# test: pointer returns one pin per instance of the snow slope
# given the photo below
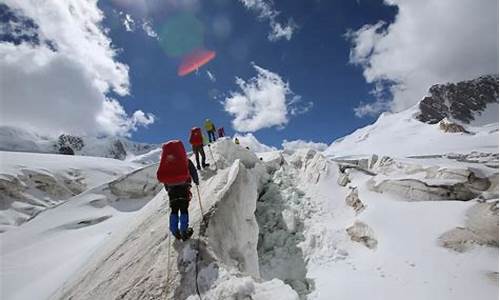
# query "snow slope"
(39, 256)
(294, 225)
(32, 182)
(400, 134)
(150, 157)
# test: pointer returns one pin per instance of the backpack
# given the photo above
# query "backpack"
(174, 167)
(196, 138)
(221, 131)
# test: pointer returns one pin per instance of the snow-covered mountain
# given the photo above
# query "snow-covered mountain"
(295, 225)
(17, 139)
(446, 121)
(22, 140)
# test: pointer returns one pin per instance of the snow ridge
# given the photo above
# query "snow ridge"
(134, 266)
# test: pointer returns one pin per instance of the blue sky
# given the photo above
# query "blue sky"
(313, 70)
(315, 63)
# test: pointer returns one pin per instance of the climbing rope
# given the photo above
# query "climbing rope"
(168, 263)
(198, 243)
(197, 252)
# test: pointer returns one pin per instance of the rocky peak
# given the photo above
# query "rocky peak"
(458, 101)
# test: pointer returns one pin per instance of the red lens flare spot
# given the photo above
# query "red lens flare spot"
(194, 61)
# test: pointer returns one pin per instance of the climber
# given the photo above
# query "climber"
(221, 132)
(236, 141)
(196, 141)
(210, 128)
(176, 172)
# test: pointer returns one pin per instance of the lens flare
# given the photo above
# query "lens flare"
(181, 34)
(194, 61)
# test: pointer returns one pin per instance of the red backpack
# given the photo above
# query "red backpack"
(174, 168)
(221, 131)
(196, 138)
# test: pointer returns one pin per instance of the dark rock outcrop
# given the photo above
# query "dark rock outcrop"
(66, 150)
(458, 101)
(117, 150)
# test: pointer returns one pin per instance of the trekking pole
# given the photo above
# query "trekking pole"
(211, 154)
(199, 201)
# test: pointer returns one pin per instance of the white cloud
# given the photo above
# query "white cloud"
(148, 29)
(371, 109)
(266, 11)
(116, 120)
(264, 101)
(429, 42)
(129, 23)
(297, 107)
(279, 31)
(301, 144)
(64, 88)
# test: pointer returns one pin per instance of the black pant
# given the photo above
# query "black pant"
(179, 197)
(211, 135)
(179, 204)
(198, 150)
